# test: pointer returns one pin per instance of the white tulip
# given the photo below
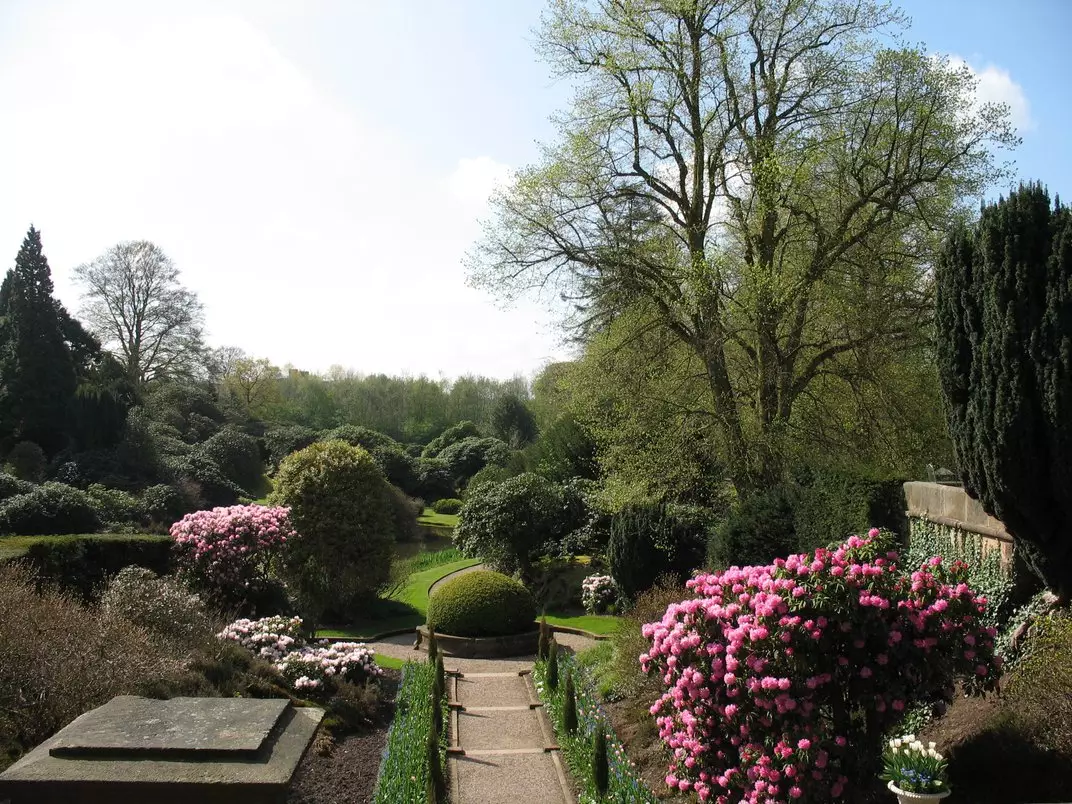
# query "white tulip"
(932, 745)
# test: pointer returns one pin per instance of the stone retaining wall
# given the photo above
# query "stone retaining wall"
(963, 517)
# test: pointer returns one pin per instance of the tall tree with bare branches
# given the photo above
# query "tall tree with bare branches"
(133, 302)
(765, 179)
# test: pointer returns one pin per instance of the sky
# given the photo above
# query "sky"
(317, 169)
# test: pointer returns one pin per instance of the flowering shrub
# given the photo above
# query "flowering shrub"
(598, 593)
(315, 668)
(160, 604)
(914, 767)
(271, 638)
(228, 552)
(781, 679)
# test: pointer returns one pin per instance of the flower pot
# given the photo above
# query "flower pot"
(904, 797)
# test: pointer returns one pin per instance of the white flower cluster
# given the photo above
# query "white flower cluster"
(271, 638)
(598, 592)
(910, 745)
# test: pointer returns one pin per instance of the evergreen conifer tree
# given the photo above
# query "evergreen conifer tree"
(37, 372)
(552, 665)
(600, 769)
(569, 707)
(1004, 339)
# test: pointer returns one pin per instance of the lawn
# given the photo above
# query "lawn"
(389, 662)
(406, 608)
(600, 624)
(431, 519)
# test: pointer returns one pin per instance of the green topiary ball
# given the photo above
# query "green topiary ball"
(482, 604)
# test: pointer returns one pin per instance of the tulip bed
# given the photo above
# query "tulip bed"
(625, 786)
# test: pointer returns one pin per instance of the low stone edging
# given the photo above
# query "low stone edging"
(482, 647)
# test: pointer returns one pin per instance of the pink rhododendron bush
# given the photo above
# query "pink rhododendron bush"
(228, 553)
(781, 680)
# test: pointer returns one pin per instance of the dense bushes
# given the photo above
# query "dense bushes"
(830, 505)
(161, 604)
(49, 508)
(27, 461)
(509, 524)
(81, 565)
(238, 457)
(650, 539)
(115, 507)
(163, 503)
(452, 435)
(482, 604)
(281, 441)
(448, 505)
(781, 680)
(340, 505)
(229, 554)
(10, 486)
(756, 532)
(467, 457)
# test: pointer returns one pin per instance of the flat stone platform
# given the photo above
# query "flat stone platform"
(208, 750)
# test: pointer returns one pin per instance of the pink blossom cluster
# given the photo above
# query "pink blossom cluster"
(271, 638)
(598, 592)
(229, 551)
(776, 676)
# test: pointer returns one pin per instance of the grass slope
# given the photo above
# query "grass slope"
(602, 624)
(411, 604)
(431, 519)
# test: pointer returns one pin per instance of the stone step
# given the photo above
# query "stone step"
(508, 778)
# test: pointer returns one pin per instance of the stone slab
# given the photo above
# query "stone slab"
(516, 728)
(129, 726)
(513, 778)
(504, 690)
(41, 778)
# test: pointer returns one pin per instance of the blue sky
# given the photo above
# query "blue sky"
(316, 169)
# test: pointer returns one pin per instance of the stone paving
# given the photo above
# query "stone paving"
(503, 748)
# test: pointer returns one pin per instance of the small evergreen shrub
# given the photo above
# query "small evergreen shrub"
(756, 532)
(552, 665)
(51, 508)
(482, 604)
(600, 770)
(340, 504)
(569, 707)
(448, 505)
(27, 461)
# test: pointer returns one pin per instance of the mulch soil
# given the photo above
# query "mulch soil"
(345, 772)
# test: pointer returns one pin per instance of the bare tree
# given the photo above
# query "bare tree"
(133, 302)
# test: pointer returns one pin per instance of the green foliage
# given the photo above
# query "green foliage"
(452, 435)
(467, 457)
(437, 781)
(405, 774)
(115, 507)
(600, 771)
(985, 573)
(513, 422)
(448, 505)
(279, 442)
(49, 508)
(340, 505)
(441, 675)
(489, 474)
(1004, 324)
(82, 565)
(27, 461)
(569, 706)
(830, 505)
(434, 480)
(11, 486)
(404, 513)
(433, 646)
(511, 523)
(38, 375)
(481, 603)
(757, 531)
(565, 450)
(543, 643)
(1040, 691)
(238, 457)
(552, 664)
(164, 504)
(650, 539)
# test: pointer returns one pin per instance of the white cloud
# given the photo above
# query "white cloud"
(315, 233)
(996, 85)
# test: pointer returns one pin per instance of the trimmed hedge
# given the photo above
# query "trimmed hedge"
(448, 505)
(83, 564)
(831, 505)
(482, 604)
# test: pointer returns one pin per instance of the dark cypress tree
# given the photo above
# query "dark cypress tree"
(600, 769)
(437, 780)
(433, 647)
(545, 635)
(440, 675)
(569, 707)
(37, 372)
(1004, 340)
(552, 665)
